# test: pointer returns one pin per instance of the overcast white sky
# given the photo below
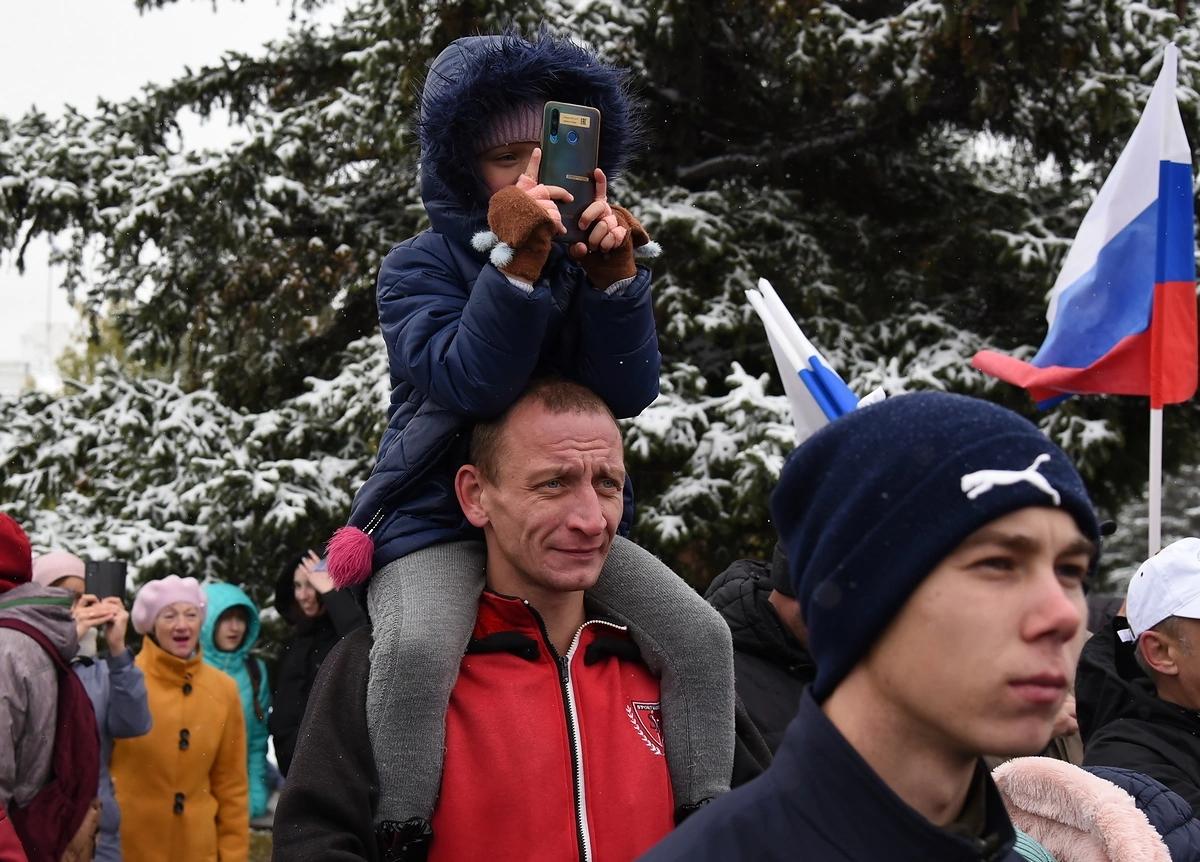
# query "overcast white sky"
(57, 52)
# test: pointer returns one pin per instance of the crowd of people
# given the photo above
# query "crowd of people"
(483, 666)
(108, 756)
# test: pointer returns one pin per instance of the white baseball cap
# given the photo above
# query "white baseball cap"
(1166, 585)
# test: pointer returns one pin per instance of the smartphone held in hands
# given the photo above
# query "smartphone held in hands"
(104, 578)
(570, 149)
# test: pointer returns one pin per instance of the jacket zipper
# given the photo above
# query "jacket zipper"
(582, 833)
(577, 737)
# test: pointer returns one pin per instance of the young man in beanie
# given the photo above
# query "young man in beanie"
(471, 311)
(939, 546)
(1148, 663)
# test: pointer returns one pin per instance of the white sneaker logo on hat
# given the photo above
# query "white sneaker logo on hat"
(980, 482)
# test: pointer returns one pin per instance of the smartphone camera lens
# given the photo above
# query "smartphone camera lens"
(572, 138)
(554, 123)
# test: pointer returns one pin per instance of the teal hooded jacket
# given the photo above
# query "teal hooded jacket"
(222, 597)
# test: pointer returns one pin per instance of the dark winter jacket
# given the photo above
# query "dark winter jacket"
(302, 656)
(1106, 669)
(771, 668)
(256, 700)
(819, 801)
(463, 342)
(1166, 810)
(117, 689)
(1140, 731)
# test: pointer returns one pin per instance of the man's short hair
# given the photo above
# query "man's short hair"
(555, 394)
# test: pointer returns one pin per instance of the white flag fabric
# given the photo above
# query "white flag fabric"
(816, 393)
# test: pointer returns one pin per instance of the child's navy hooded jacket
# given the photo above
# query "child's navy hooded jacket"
(463, 342)
(1169, 813)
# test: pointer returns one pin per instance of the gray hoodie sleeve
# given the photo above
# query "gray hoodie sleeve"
(28, 703)
(128, 711)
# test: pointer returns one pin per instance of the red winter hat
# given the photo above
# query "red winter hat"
(16, 557)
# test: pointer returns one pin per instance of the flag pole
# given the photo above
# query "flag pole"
(1155, 521)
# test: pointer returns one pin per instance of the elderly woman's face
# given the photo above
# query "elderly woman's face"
(177, 629)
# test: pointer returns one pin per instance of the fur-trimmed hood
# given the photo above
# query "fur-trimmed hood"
(1077, 816)
(477, 78)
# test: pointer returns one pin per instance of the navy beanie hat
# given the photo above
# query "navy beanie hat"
(868, 506)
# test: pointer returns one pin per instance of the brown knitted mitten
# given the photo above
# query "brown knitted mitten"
(606, 268)
(524, 233)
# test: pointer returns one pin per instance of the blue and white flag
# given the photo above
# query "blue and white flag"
(815, 391)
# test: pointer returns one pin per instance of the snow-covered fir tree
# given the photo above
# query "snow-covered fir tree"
(907, 174)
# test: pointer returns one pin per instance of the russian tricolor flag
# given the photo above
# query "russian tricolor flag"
(816, 393)
(1123, 311)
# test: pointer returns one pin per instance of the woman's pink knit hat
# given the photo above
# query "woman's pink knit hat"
(156, 595)
(56, 565)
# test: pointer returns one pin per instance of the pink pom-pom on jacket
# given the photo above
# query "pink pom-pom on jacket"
(349, 556)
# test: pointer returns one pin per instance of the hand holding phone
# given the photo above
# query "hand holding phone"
(114, 632)
(604, 232)
(90, 612)
(546, 197)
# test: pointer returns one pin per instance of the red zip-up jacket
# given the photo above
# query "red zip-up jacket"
(551, 757)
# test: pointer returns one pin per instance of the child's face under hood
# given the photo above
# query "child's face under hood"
(502, 166)
(479, 78)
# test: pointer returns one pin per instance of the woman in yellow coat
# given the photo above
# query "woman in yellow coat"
(182, 787)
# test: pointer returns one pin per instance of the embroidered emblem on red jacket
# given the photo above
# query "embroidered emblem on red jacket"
(646, 719)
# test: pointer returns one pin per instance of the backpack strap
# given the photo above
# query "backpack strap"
(39, 636)
(255, 672)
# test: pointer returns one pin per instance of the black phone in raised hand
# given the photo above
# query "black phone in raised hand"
(570, 150)
(104, 578)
